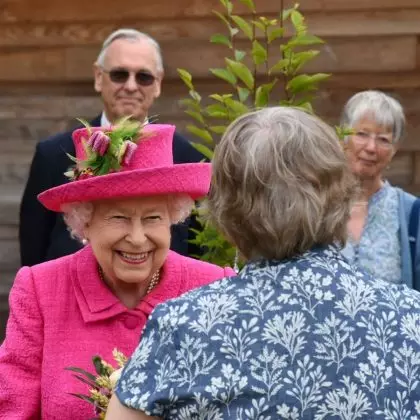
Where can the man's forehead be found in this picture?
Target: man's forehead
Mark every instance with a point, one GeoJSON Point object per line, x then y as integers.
{"type": "Point", "coordinates": [131, 53]}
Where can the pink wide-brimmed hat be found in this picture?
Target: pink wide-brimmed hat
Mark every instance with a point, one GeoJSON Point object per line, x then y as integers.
{"type": "Point", "coordinates": [109, 167]}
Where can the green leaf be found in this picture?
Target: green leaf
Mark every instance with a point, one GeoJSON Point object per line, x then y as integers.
{"type": "Point", "coordinates": [275, 34]}
{"type": "Point", "coordinates": [301, 58]}
{"type": "Point", "coordinates": [304, 82]}
{"type": "Point", "coordinates": [227, 4]}
{"type": "Point", "coordinates": [306, 106]}
{"type": "Point", "coordinates": [220, 98]}
{"type": "Point", "coordinates": [81, 371]}
{"type": "Point", "coordinates": [259, 53]}
{"type": "Point", "coordinates": [262, 95]}
{"type": "Point", "coordinates": [259, 25]}
{"type": "Point", "coordinates": [242, 72]}
{"type": "Point", "coordinates": [218, 129]}
{"type": "Point", "coordinates": [222, 18]}
{"type": "Point", "coordinates": [285, 14]}
{"type": "Point", "coordinates": [200, 132]}
{"type": "Point", "coordinates": [249, 4]}
{"type": "Point", "coordinates": [190, 103]}
{"type": "Point", "coordinates": [72, 158]}
{"type": "Point", "coordinates": [280, 67]}
{"type": "Point", "coordinates": [204, 150]}
{"type": "Point", "coordinates": [225, 74]}
{"type": "Point", "coordinates": [305, 39]}
{"type": "Point", "coordinates": [243, 25]}
{"type": "Point", "coordinates": [100, 369]}
{"type": "Point", "coordinates": [239, 55]}
{"type": "Point", "coordinates": [237, 107]}
{"type": "Point", "coordinates": [221, 39]}
{"type": "Point", "coordinates": [196, 115]}
{"type": "Point", "coordinates": [216, 111]}
{"type": "Point", "coordinates": [298, 21]}
{"type": "Point", "coordinates": [243, 93]}
{"type": "Point", "coordinates": [195, 95]}
{"type": "Point", "coordinates": [186, 78]}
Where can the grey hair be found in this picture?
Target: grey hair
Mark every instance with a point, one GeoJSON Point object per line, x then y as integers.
{"type": "Point", "coordinates": [77, 215]}
{"type": "Point", "coordinates": [134, 35]}
{"type": "Point", "coordinates": [281, 184]}
{"type": "Point", "coordinates": [383, 108]}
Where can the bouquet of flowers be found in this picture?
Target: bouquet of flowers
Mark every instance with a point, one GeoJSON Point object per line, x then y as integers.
{"type": "Point", "coordinates": [101, 385]}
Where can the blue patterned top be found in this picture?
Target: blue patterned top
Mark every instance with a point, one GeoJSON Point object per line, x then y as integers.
{"type": "Point", "coordinates": [379, 249]}
{"type": "Point", "coordinates": [309, 338]}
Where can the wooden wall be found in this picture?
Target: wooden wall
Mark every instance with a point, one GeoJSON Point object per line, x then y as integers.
{"type": "Point", "coordinates": [47, 48]}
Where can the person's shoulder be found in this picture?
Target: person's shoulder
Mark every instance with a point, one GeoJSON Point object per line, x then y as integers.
{"type": "Point", "coordinates": [61, 142]}
{"type": "Point", "coordinates": [57, 143]}
{"type": "Point", "coordinates": [50, 269]}
{"type": "Point", "coordinates": [201, 267]}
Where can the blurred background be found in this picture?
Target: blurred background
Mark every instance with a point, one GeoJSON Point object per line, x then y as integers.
{"type": "Point", "coordinates": [47, 48]}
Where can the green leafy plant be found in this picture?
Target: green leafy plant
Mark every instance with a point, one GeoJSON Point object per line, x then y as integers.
{"type": "Point", "coordinates": [267, 72]}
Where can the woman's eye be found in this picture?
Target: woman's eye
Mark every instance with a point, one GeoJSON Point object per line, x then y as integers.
{"type": "Point", "coordinates": [153, 217]}
{"type": "Point", "coordinates": [118, 217]}
{"type": "Point", "coordinates": [362, 134]}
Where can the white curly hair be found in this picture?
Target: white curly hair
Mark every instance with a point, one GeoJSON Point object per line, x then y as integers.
{"type": "Point", "coordinates": [78, 214]}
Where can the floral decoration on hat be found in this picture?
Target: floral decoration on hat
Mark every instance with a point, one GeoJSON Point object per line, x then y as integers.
{"type": "Point", "coordinates": [106, 150]}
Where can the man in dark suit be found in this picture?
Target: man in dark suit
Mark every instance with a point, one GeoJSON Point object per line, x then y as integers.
{"type": "Point", "coordinates": [128, 75]}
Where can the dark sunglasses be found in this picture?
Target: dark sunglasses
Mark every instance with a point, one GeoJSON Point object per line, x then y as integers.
{"type": "Point", "coordinates": [143, 78]}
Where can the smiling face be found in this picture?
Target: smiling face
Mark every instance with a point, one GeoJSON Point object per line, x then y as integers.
{"type": "Point", "coordinates": [129, 97]}
{"type": "Point", "coordinates": [370, 149]}
{"type": "Point", "coordinates": [130, 239]}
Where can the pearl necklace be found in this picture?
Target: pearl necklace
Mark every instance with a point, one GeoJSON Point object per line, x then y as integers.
{"type": "Point", "coordinates": [153, 282]}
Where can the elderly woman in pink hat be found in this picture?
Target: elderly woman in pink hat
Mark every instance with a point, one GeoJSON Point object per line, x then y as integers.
{"type": "Point", "coordinates": [124, 196]}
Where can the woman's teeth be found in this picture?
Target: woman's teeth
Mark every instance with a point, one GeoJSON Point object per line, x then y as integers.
{"type": "Point", "coordinates": [134, 257]}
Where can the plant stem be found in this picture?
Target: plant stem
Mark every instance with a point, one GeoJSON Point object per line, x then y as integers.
{"type": "Point", "coordinates": [254, 37]}
{"type": "Point", "coordinates": [281, 51]}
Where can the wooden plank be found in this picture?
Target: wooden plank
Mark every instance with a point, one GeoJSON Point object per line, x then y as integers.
{"type": "Point", "coordinates": [96, 10]}
{"type": "Point", "coordinates": [416, 168]}
{"type": "Point", "coordinates": [339, 55]}
{"type": "Point", "coordinates": [400, 169]}
{"type": "Point", "coordinates": [32, 130]}
{"type": "Point", "coordinates": [338, 24]}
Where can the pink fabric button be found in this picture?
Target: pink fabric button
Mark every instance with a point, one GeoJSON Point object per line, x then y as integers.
{"type": "Point", "coordinates": [131, 322]}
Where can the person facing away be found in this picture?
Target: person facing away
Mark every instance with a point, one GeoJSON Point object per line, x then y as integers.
{"type": "Point", "coordinates": [299, 333]}
{"type": "Point", "coordinates": [123, 197]}
{"type": "Point", "coordinates": [379, 238]}
{"type": "Point", "coordinates": [128, 75]}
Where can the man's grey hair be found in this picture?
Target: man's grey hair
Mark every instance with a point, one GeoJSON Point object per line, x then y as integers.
{"type": "Point", "coordinates": [384, 109]}
{"type": "Point", "coordinates": [134, 35]}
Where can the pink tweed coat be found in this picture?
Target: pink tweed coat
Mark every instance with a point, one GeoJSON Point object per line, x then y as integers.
{"type": "Point", "coordinates": [61, 314]}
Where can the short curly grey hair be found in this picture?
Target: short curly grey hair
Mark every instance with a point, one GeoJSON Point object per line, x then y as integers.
{"type": "Point", "coordinates": [383, 108]}
{"type": "Point", "coordinates": [281, 184]}
{"type": "Point", "coordinates": [78, 215]}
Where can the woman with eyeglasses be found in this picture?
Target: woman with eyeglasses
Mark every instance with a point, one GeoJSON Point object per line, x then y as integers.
{"type": "Point", "coordinates": [383, 226]}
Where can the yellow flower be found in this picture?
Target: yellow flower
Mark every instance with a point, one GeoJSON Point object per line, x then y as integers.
{"type": "Point", "coordinates": [104, 382]}
{"type": "Point", "coordinates": [119, 358]}
{"type": "Point", "coordinates": [100, 399]}
{"type": "Point", "coordinates": [114, 377]}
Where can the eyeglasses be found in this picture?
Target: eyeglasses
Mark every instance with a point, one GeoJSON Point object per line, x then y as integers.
{"type": "Point", "coordinates": [143, 78]}
{"type": "Point", "coordinates": [383, 141]}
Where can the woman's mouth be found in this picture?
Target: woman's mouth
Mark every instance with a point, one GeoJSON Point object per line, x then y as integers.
{"type": "Point", "coordinates": [133, 258]}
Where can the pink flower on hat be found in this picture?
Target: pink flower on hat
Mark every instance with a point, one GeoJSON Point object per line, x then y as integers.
{"type": "Point", "coordinates": [130, 148]}
{"type": "Point", "coordinates": [99, 142]}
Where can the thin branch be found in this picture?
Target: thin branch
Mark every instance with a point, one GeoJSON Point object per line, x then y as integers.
{"type": "Point", "coordinates": [285, 80]}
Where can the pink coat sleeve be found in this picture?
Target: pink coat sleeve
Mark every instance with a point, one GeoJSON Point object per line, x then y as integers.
{"type": "Point", "coordinates": [21, 352]}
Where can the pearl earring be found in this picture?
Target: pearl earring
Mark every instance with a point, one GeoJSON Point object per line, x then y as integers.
{"type": "Point", "coordinates": [85, 241]}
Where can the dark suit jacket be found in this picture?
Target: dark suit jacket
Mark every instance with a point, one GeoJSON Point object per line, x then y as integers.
{"type": "Point", "coordinates": [43, 234]}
